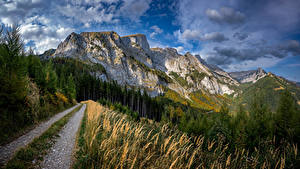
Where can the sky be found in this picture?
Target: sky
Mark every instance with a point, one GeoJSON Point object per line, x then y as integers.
{"type": "Point", "coordinates": [235, 35]}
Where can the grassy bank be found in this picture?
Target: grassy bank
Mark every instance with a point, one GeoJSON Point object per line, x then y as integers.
{"type": "Point", "coordinates": [31, 155]}
{"type": "Point", "coordinates": [112, 140]}
{"type": "Point", "coordinates": [80, 157]}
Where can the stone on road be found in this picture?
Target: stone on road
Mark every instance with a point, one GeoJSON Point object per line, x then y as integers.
{"type": "Point", "coordinates": [60, 155]}
{"type": "Point", "coordinates": [7, 151]}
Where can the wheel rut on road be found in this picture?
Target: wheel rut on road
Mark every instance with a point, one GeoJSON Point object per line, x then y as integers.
{"type": "Point", "coordinates": [60, 154]}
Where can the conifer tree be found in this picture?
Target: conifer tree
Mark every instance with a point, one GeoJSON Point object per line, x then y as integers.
{"type": "Point", "coordinates": [286, 119]}
{"type": "Point", "coordinates": [50, 78]}
{"type": "Point", "coordinates": [71, 88]}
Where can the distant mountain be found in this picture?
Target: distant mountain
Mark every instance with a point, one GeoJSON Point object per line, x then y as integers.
{"type": "Point", "coordinates": [47, 54]}
{"type": "Point", "coordinates": [269, 88]}
{"type": "Point", "coordinates": [218, 71]}
{"type": "Point", "coordinates": [248, 76]}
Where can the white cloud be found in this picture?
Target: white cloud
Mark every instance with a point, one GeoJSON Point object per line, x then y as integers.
{"type": "Point", "coordinates": [45, 23]}
{"type": "Point", "coordinates": [134, 9]}
{"type": "Point", "coordinates": [82, 15]}
{"type": "Point", "coordinates": [180, 49]}
{"type": "Point", "coordinates": [191, 34]}
{"type": "Point", "coordinates": [45, 44]}
{"type": "Point", "coordinates": [44, 37]}
{"type": "Point", "coordinates": [187, 35]}
{"type": "Point", "coordinates": [156, 30]}
{"type": "Point", "coordinates": [225, 15]}
{"type": "Point", "coordinates": [156, 44]}
{"type": "Point", "coordinates": [252, 64]}
{"type": "Point", "coordinates": [153, 34]}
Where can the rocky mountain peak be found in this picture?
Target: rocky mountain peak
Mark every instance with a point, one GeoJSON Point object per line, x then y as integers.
{"type": "Point", "coordinates": [130, 61]}
{"type": "Point", "coordinates": [248, 76]}
{"type": "Point", "coordinates": [136, 40]}
{"type": "Point", "coordinates": [101, 35]}
{"type": "Point", "coordinates": [260, 71]}
{"type": "Point", "coordinates": [72, 45]}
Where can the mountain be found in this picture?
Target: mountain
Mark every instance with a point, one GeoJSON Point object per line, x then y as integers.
{"type": "Point", "coordinates": [268, 89]}
{"type": "Point", "coordinates": [186, 79]}
{"type": "Point", "coordinates": [47, 54]}
{"type": "Point", "coordinates": [248, 76]}
{"type": "Point", "coordinates": [219, 72]}
{"type": "Point", "coordinates": [130, 61]}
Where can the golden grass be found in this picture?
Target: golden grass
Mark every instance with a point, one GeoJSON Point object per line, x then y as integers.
{"type": "Point", "coordinates": [114, 141]}
{"type": "Point", "coordinates": [279, 88]}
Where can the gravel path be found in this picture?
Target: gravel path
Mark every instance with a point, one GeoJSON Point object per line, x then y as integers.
{"type": "Point", "coordinates": [7, 151]}
{"type": "Point", "coordinates": [60, 155]}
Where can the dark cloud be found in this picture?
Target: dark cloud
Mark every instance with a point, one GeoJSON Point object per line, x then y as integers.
{"type": "Point", "coordinates": [225, 15]}
{"type": "Point", "coordinates": [134, 9]}
{"type": "Point", "coordinates": [219, 60]}
{"type": "Point", "coordinates": [291, 46]}
{"type": "Point", "coordinates": [228, 55]}
{"type": "Point", "coordinates": [240, 36]}
{"type": "Point", "coordinates": [197, 36]}
{"type": "Point", "coordinates": [238, 54]}
{"type": "Point", "coordinates": [282, 15]}
{"type": "Point", "coordinates": [256, 30]}
{"type": "Point", "coordinates": [214, 37]}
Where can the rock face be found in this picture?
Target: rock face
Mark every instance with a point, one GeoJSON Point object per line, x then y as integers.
{"type": "Point", "coordinates": [219, 72]}
{"type": "Point", "coordinates": [130, 61]}
{"type": "Point", "coordinates": [248, 76]}
{"type": "Point", "coordinates": [47, 54]}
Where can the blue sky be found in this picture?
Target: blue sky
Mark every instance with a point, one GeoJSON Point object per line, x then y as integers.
{"type": "Point", "coordinates": [233, 34]}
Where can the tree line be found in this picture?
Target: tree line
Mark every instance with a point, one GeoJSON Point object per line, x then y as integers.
{"type": "Point", "coordinates": [30, 89]}
{"type": "Point", "coordinates": [89, 86]}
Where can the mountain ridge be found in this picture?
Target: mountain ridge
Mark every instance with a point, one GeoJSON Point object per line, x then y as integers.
{"type": "Point", "coordinates": [248, 76]}
{"type": "Point", "coordinates": [129, 60]}
{"type": "Point", "coordinates": [184, 78]}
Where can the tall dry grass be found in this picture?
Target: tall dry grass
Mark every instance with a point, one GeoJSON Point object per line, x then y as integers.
{"type": "Point", "coordinates": [114, 141]}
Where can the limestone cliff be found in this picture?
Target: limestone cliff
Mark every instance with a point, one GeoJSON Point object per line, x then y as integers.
{"type": "Point", "coordinates": [130, 61]}
{"type": "Point", "coordinates": [248, 76]}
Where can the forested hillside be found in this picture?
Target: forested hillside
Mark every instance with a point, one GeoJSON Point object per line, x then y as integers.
{"type": "Point", "coordinates": [29, 88]}
{"type": "Point", "coordinates": [268, 90]}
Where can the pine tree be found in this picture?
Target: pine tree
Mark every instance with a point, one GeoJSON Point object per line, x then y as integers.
{"type": "Point", "coordinates": [13, 80]}
{"type": "Point", "coordinates": [71, 87]}
{"type": "Point", "coordinates": [50, 78]}
{"type": "Point", "coordinates": [286, 117]}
